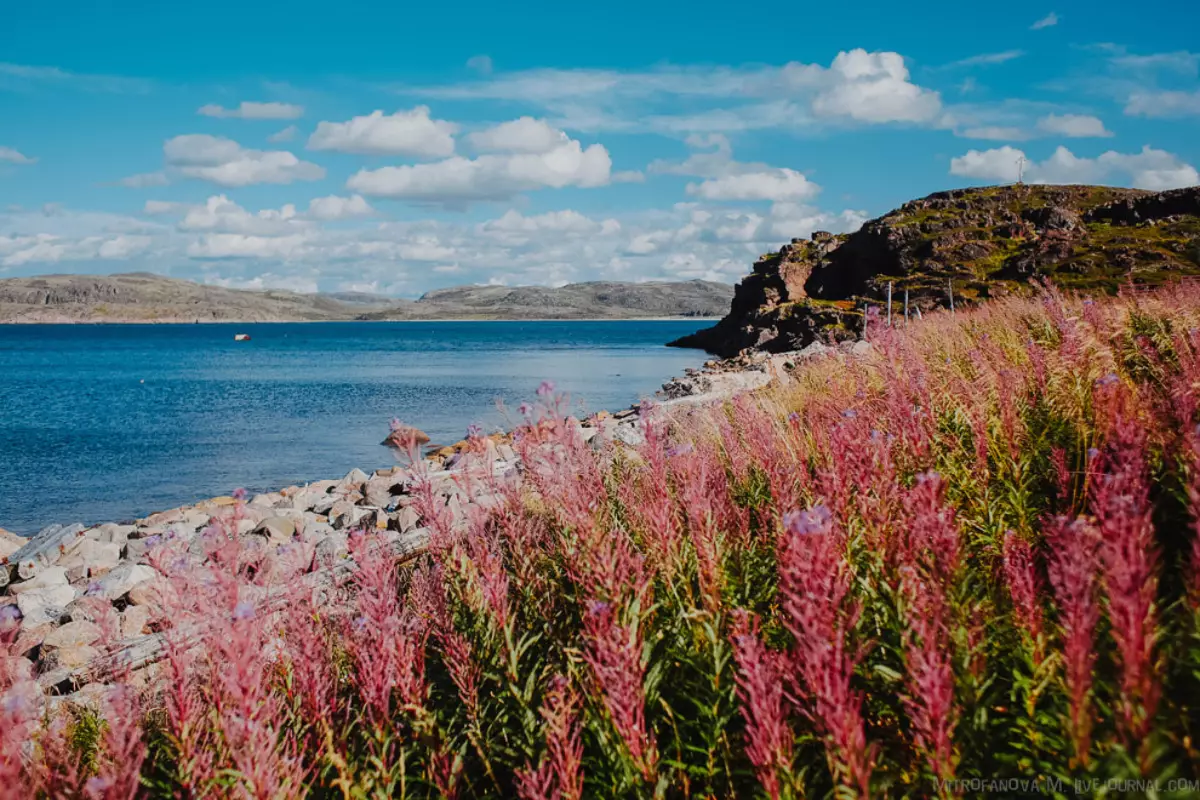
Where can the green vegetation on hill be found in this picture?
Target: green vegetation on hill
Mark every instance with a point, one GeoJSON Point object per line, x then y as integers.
{"type": "Point", "coordinates": [979, 243]}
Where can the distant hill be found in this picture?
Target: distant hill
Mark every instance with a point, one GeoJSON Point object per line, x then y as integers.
{"type": "Point", "coordinates": [985, 242]}
{"type": "Point", "coordinates": [145, 297]}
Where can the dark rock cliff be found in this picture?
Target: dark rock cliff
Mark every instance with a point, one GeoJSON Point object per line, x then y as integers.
{"type": "Point", "coordinates": [978, 243]}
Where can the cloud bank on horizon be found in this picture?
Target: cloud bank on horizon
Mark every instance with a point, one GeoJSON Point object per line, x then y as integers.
{"type": "Point", "coordinates": [504, 155]}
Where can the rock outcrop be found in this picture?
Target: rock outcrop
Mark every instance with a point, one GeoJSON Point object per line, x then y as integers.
{"type": "Point", "coordinates": [976, 243]}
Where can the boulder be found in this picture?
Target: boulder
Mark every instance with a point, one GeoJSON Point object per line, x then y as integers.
{"type": "Point", "coordinates": [134, 620]}
{"type": "Point", "coordinates": [354, 478]}
{"type": "Point", "coordinates": [17, 668]}
{"type": "Point", "coordinates": [344, 514]}
{"type": "Point", "coordinates": [629, 435]}
{"type": "Point", "coordinates": [378, 490]}
{"type": "Point", "coordinates": [276, 530]}
{"type": "Point", "coordinates": [46, 579]}
{"type": "Point", "coordinates": [109, 532]}
{"type": "Point", "coordinates": [44, 605]}
{"type": "Point", "coordinates": [44, 548]}
{"type": "Point", "coordinates": [331, 549]}
{"type": "Point", "coordinates": [402, 437]}
{"type": "Point", "coordinates": [87, 558]}
{"type": "Point", "coordinates": [10, 543]}
{"type": "Point", "coordinates": [73, 634]}
{"type": "Point", "coordinates": [122, 578]}
{"type": "Point", "coordinates": [72, 657]}
{"type": "Point", "coordinates": [405, 520]}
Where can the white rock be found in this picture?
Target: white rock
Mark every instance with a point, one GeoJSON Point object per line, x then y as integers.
{"type": "Point", "coordinates": [44, 548]}
{"type": "Point", "coordinates": [73, 634]}
{"type": "Point", "coordinates": [124, 577]}
{"type": "Point", "coordinates": [88, 558]}
{"type": "Point", "coordinates": [46, 579]}
{"type": "Point", "coordinates": [134, 620]}
{"type": "Point", "coordinates": [44, 605]}
{"type": "Point", "coordinates": [10, 543]}
{"type": "Point", "coordinates": [109, 532]}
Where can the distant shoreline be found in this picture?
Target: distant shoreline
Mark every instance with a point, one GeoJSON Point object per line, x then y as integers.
{"type": "Point", "coordinates": [149, 323]}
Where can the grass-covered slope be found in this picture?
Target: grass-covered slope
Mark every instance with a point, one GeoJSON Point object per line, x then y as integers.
{"type": "Point", "coordinates": [978, 243]}
{"type": "Point", "coordinates": [967, 556]}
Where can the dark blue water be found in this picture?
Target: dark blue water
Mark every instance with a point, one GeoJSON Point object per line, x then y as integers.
{"type": "Point", "coordinates": [111, 422]}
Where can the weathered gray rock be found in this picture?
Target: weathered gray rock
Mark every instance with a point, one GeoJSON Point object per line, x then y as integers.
{"type": "Point", "coordinates": [629, 435]}
{"type": "Point", "coordinates": [331, 549]}
{"type": "Point", "coordinates": [121, 579]}
{"type": "Point", "coordinates": [110, 532]}
{"type": "Point", "coordinates": [404, 520]}
{"type": "Point", "coordinates": [74, 634]}
{"type": "Point", "coordinates": [378, 490]}
{"type": "Point", "coordinates": [46, 579]}
{"type": "Point", "coordinates": [44, 549]}
{"type": "Point", "coordinates": [354, 478]}
{"type": "Point", "coordinates": [276, 530]}
{"type": "Point", "coordinates": [134, 620]}
{"type": "Point", "coordinates": [344, 515]}
{"type": "Point", "coordinates": [88, 558]}
{"type": "Point", "coordinates": [10, 543]}
{"type": "Point", "coordinates": [44, 605]}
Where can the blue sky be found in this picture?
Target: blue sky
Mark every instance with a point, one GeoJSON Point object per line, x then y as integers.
{"type": "Point", "coordinates": [394, 148]}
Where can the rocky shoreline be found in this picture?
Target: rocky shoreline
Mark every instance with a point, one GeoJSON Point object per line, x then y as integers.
{"type": "Point", "coordinates": [86, 598]}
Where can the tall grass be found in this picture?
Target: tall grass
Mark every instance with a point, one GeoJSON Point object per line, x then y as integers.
{"type": "Point", "coordinates": [971, 554]}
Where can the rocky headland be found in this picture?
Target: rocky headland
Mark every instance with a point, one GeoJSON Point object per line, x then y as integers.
{"type": "Point", "coordinates": [966, 244]}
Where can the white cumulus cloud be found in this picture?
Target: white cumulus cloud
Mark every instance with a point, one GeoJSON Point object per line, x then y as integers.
{"type": "Point", "coordinates": [334, 207]}
{"type": "Point", "coordinates": [285, 135]}
{"type": "Point", "coordinates": [777, 184]}
{"type": "Point", "coordinates": [222, 215]}
{"type": "Point", "coordinates": [404, 133]}
{"type": "Point", "coordinates": [867, 87]}
{"type": "Point", "coordinates": [1148, 169]}
{"type": "Point", "coordinates": [1074, 126]}
{"type": "Point", "coordinates": [1163, 104]}
{"type": "Point", "coordinates": [251, 110]}
{"type": "Point", "coordinates": [457, 181]}
{"type": "Point", "coordinates": [524, 135]}
{"type": "Point", "coordinates": [14, 156]}
{"type": "Point", "coordinates": [226, 163]}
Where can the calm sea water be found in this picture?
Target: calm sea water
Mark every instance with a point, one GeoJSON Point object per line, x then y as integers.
{"type": "Point", "coordinates": [112, 422]}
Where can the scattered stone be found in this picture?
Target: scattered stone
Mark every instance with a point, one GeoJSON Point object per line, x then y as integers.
{"type": "Point", "coordinates": [404, 436]}
{"type": "Point", "coordinates": [73, 634]}
{"type": "Point", "coordinates": [123, 578]}
{"type": "Point", "coordinates": [134, 620]}
{"type": "Point", "coordinates": [355, 478]}
{"type": "Point", "coordinates": [344, 514]}
{"type": "Point", "coordinates": [404, 520]}
{"type": "Point", "coordinates": [10, 543]}
{"type": "Point", "coordinates": [44, 605]}
{"type": "Point", "coordinates": [18, 668]}
{"type": "Point", "coordinates": [44, 549]}
{"type": "Point", "coordinates": [110, 532]}
{"type": "Point", "coordinates": [629, 435]}
{"type": "Point", "coordinates": [276, 530]}
{"type": "Point", "coordinates": [46, 579]}
{"type": "Point", "coordinates": [331, 549]}
{"type": "Point", "coordinates": [72, 657]}
{"type": "Point", "coordinates": [87, 558]}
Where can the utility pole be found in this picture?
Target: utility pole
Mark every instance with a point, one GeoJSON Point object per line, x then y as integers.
{"type": "Point", "coordinates": [950, 293]}
{"type": "Point", "coordinates": [1021, 162]}
{"type": "Point", "coordinates": [889, 304]}
{"type": "Point", "coordinates": [905, 305]}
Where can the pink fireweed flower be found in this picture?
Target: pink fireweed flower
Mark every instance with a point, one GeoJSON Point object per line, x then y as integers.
{"type": "Point", "coordinates": [760, 684]}
{"type": "Point", "coordinates": [1121, 503]}
{"type": "Point", "coordinates": [930, 674]}
{"type": "Point", "coordinates": [614, 653]}
{"type": "Point", "coordinates": [815, 582]}
{"type": "Point", "coordinates": [1073, 568]}
{"type": "Point", "coordinates": [1025, 588]}
{"type": "Point", "coordinates": [559, 774]}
